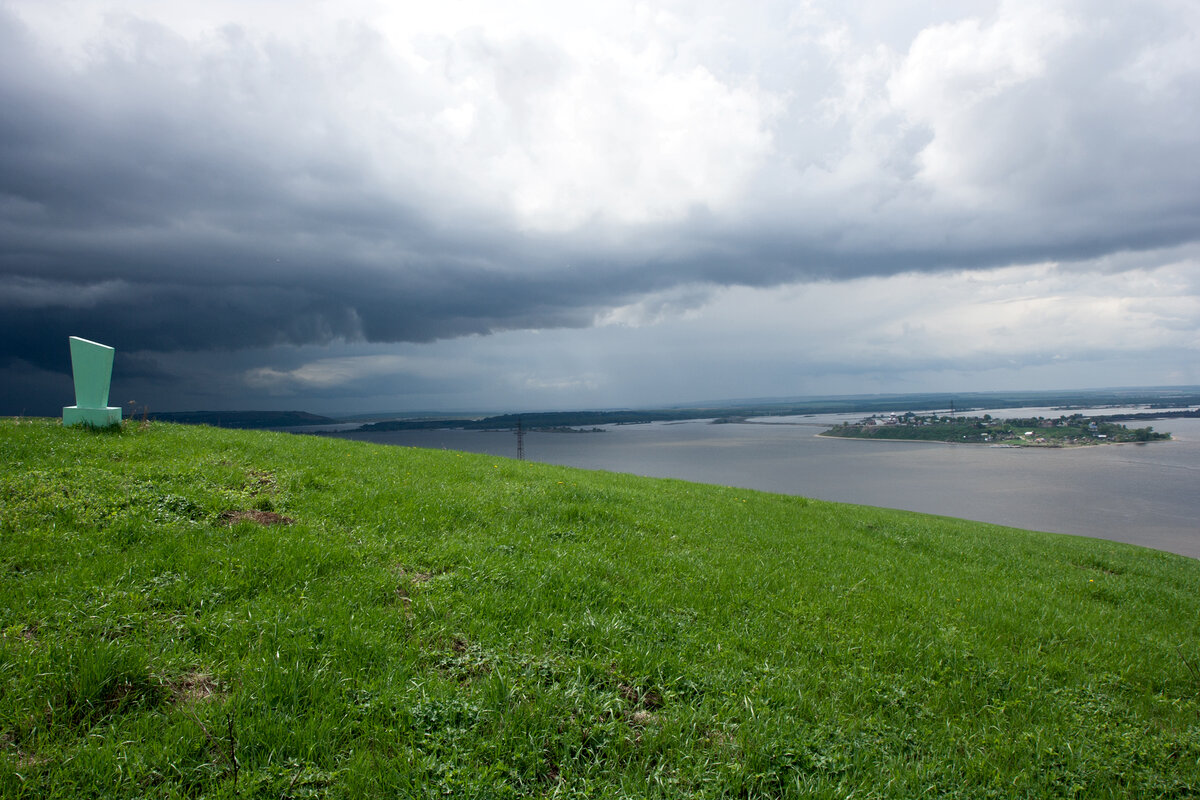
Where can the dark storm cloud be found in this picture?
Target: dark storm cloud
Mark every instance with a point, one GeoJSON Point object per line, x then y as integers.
{"type": "Point", "coordinates": [160, 195]}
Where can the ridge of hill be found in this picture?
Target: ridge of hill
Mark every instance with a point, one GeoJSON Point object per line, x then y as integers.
{"type": "Point", "coordinates": [190, 611]}
{"type": "Point", "coordinates": [240, 419]}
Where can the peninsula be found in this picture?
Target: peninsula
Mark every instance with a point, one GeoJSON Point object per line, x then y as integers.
{"type": "Point", "coordinates": [1074, 430]}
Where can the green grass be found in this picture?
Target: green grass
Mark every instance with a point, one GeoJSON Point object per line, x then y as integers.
{"type": "Point", "coordinates": [440, 624]}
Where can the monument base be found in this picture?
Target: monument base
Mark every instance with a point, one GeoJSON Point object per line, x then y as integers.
{"type": "Point", "coordinates": [93, 417]}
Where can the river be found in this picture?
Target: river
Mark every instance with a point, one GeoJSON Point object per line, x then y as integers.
{"type": "Point", "coordinates": [1144, 494]}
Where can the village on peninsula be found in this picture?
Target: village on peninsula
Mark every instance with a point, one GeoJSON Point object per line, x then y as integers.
{"type": "Point", "coordinates": [1074, 430]}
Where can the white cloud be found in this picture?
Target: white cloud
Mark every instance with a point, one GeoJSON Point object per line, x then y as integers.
{"type": "Point", "coordinates": [954, 68]}
{"type": "Point", "coordinates": [570, 383]}
{"type": "Point", "coordinates": [344, 371]}
{"type": "Point", "coordinates": [678, 303]}
{"type": "Point", "coordinates": [1015, 313]}
{"type": "Point", "coordinates": [602, 132]}
{"type": "Point", "coordinates": [862, 123]}
{"type": "Point", "coordinates": [555, 126]}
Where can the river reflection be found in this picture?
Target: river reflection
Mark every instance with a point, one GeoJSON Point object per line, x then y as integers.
{"type": "Point", "coordinates": [1145, 494]}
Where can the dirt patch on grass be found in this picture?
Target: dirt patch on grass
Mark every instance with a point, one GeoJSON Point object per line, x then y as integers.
{"type": "Point", "coordinates": [647, 699]}
{"type": "Point", "coordinates": [259, 517]}
{"type": "Point", "coordinates": [549, 771]}
{"type": "Point", "coordinates": [410, 580]}
{"type": "Point", "coordinates": [641, 719]}
{"type": "Point", "coordinates": [466, 661]}
{"type": "Point", "coordinates": [117, 694]}
{"type": "Point", "coordinates": [259, 481]}
{"type": "Point", "coordinates": [720, 737]}
{"type": "Point", "coordinates": [412, 576]}
{"type": "Point", "coordinates": [23, 760]}
{"type": "Point", "coordinates": [193, 687]}
{"type": "Point", "coordinates": [1099, 566]}
{"type": "Point", "coordinates": [20, 633]}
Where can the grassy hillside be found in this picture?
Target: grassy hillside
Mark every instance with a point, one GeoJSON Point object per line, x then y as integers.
{"type": "Point", "coordinates": [441, 624]}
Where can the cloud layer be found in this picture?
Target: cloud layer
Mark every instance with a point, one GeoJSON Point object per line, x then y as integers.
{"type": "Point", "coordinates": [252, 177]}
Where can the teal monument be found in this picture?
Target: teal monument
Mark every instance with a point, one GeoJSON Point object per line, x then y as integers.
{"type": "Point", "coordinates": [91, 363]}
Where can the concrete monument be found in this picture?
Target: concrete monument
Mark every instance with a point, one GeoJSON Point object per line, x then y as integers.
{"type": "Point", "coordinates": [91, 364]}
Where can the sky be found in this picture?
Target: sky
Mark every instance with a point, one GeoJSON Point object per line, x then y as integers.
{"type": "Point", "coordinates": [360, 206]}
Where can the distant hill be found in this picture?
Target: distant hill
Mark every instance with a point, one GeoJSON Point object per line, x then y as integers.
{"type": "Point", "coordinates": [866, 404]}
{"type": "Point", "coordinates": [241, 419]}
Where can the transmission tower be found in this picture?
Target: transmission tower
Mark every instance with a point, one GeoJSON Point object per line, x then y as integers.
{"type": "Point", "coordinates": [520, 441]}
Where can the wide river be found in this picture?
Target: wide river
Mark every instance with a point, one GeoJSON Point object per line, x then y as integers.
{"type": "Point", "coordinates": [1145, 494]}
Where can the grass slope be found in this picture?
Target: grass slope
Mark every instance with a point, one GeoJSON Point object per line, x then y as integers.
{"type": "Point", "coordinates": [445, 624]}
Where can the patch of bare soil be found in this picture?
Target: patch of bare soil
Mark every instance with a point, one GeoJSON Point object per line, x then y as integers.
{"type": "Point", "coordinates": [412, 576]}
{"type": "Point", "coordinates": [641, 718]}
{"type": "Point", "coordinates": [25, 634]}
{"type": "Point", "coordinates": [193, 687]}
{"type": "Point", "coordinates": [23, 760]}
{"type": "Point", "coordinates": [648, 699]}
{"type": "Point", "coordinates": [259, 481]}
{"type": "Point", "coordinates": [260, 517]}
{"type": "Point", "coordinates": [410, 580]}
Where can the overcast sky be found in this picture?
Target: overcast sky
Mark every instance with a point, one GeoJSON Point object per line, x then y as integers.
{"type": "Point", "coordinates": [357, 206]}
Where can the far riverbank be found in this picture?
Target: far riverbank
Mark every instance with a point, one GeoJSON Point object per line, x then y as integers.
{"type": "Point", "coordinates": [1073, 430]}
{"type": "Point", "coordinates": [1143, 494]}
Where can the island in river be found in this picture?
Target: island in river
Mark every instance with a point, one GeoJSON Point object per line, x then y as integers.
{"type": "Point", "coordinates": [1065, 431]}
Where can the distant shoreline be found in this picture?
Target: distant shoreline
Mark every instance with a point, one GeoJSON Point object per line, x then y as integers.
{"type": "Point", "coordinates": [1073, 430]}
{"type": "Point", "coordinates": [998, 445]}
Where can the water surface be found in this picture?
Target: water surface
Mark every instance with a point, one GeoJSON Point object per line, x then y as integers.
{"type": "Point", "coordinates": [1145, 494]}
